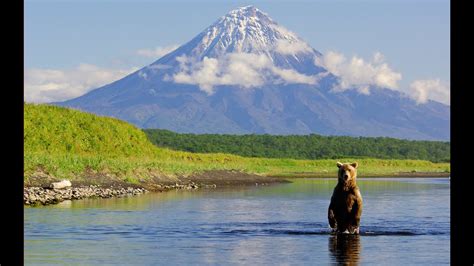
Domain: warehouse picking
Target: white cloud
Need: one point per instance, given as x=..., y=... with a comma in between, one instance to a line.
x=283, y=32
x=242, y=69
x=50, y=85
x=291, y=48
x=434, y=89
x=158, y=51
x=292, y=76
x=359, y=74
x=379, y=58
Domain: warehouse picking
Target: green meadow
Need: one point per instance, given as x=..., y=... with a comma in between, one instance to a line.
x=66, y=143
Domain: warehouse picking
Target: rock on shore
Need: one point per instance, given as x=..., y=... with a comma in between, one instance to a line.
x=62, y=184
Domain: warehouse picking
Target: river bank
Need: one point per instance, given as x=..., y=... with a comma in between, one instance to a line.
x=369, y=175
x=38, y=189
x=44, y=196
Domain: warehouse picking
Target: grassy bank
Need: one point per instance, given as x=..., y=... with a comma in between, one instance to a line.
x=66, y=143
x=133, y=169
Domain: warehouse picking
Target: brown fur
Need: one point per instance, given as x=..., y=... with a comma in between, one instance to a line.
x=345, y=208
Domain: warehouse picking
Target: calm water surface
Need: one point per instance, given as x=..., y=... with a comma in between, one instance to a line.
x=404, y=221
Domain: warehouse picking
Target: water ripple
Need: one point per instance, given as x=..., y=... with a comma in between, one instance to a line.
x=301, y=228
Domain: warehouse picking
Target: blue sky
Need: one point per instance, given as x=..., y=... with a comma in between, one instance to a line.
x=413, y=36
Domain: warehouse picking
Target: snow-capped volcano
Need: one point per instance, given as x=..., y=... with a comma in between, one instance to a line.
x=244, y=48
x=248, y=30
x=245, y=73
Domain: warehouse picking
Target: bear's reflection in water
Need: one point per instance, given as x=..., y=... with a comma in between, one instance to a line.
x=345, y=248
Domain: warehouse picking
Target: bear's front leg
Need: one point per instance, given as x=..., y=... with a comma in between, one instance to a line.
x=356, y=213
x=331, y=217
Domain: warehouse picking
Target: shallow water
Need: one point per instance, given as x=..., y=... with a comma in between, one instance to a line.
x=404, y=221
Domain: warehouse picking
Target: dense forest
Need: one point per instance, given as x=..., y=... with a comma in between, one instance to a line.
x=303, y=146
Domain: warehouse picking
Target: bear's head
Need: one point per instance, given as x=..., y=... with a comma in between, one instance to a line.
x=347, y=174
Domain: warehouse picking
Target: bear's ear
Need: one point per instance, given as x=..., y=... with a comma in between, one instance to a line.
x=355, y=164
x=339, y=164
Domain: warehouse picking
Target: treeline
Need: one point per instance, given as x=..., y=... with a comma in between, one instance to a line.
x=302, y=146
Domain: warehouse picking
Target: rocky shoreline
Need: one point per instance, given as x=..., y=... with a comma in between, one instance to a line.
x=43, y=189
x=44, y=196
x=34, y=196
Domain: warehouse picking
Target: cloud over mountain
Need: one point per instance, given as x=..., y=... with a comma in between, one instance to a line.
x=287, y=47
x=435, y=89
x=359, y=73
x=49, y=85
x=246, y=70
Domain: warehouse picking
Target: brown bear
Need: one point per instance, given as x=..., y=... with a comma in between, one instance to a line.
x=345, y=208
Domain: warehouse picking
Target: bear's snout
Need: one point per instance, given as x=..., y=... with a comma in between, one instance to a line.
x=346, y=176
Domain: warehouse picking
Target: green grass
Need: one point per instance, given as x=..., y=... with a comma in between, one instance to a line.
x=57, y=130
x=67, y=143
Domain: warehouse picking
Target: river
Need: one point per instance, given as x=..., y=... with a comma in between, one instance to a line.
x=404, y=221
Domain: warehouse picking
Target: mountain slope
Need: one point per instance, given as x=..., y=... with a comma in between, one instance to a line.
x=247, y=74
